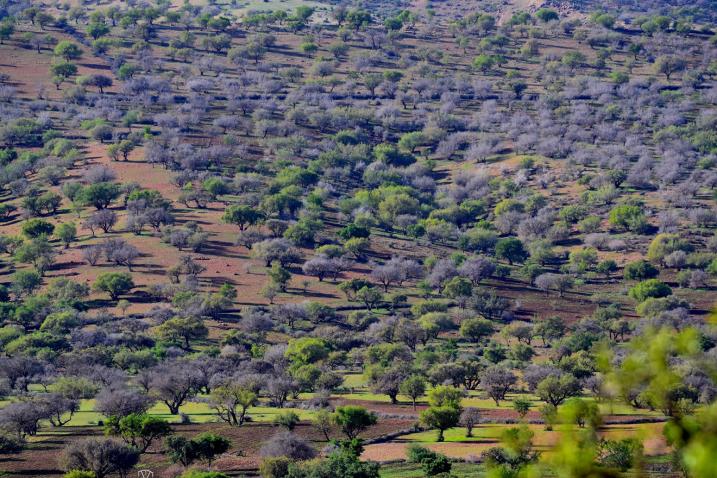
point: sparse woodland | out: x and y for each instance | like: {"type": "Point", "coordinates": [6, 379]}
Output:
{"type": "Point", "coordinates": [298, 239]}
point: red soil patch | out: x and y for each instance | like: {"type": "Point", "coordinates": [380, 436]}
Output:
{"type": "Point", "coordinates": [29, 71]}
{"type": "Point", "coordinates": [42, 456]}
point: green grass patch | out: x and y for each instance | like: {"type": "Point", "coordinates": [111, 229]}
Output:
{"type": "Point", "coordinates": [198, 412]}
{"type": "Point", "coordinates": [481, 434]}
{"type": "Point", "coordinates": [413, 470]}
{"type": "Point", "coordinates": [355, 380]}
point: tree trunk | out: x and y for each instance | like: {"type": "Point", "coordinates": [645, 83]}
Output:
{"type": "Point", "coordinates": [173, 409]}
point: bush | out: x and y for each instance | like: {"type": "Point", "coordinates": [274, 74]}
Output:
{"type": "Point", "coordinates": [620, 454]}
{"type": "Point", "coordinates": [432, 463]}
{"type": "Point", "coordinates": [651, 288]}
{"type": "Point", "coordinates": [287, 419]}
{"type": "Point", "coordinates": [114, 283]}
{"type": "Point", "coordinates": [79, 474]}
{"type": "Point", "coordinates": [436, 465]}
{"type": "Point", "coordinates": [640, 270]}
{"type": "Point", "coordinates": [104, 456]}
{"type": "Point", "coordinates": [37, 227]}
{"type": "Point", "coordinates": [208, 445]}
{"type": "Point", "coordinates": [203, 474]}
{"type": "Point", "coordinates": [276, 467]}
{"type": "Point", "coordinates": [627, 217]}
{"type": "Point", "coordinates": [417, 453]}
{"type": "Point", "coordinates": [9, 445]}
{"type": "Point", "coordinates": [339, 464]}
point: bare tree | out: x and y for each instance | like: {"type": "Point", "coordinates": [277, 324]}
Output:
{"type": "Point", "coordinates": [121, 401]}
{"type": "Point", "coordinates": [92, 254]}
{"type": "Point", "coordinates": [286, 443]}
{"type": "Point", "coordinates": [103, 456]}
{"type": "Point", "coordinates": [104, 219]}
{"type": "Point", "coordinates": [174, 383]}
{"type": "Point", "coordinates": [22, 418]}
{"type": "Point", "coordinates": [497, 381]}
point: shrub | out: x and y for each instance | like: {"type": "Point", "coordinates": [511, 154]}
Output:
{"type": "Point", "coordinates": [640, 270]}
{"type": "Point", "coordinates": [546, 15]}
{"type": "Point", "coordinates": [203, 474]}
{"type": "Point", "coordinates": [289, 420]}
{"type": "Point", "coordinates": [436, 465]}
{"type": "Point", "coordinates": [432, 463]}
{"type": "Point", "coordinates": [511, 249]}
{"type": "Point", "coordinates": [103, 456]}
{"type": "Point", "coordinates": [275, 467]}
{"type": "Point", "coordinates": [440, 418]}
{"type": "Point", "coordinates": [37, 227]}
{"type": "Point", "coordinates": [9, 445]}
{"type": "Point", "coordinates": [353, 420]}
{"type": "Point", "coordinates": [620, 454]}
{"type": "Point", "coordinates": [79, 474]}
{"type": "Point", "coordinates": [651, 288]}
{"type": "Point", "coordinates": [417, 453]}
{"type": "Point", "coordinates": [288, 445]}
{"type": "Point", "coordinates": [628, 217]}
{"type": "Point", "coordinates": [114, 283]}
{"type": "Point", "coordinates": [208, 445]}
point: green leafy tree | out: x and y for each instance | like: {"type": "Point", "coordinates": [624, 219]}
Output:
{"type": "Point", "coordinates": [522, 406]}
{"type": "Point", "coordinates": [484, 63]}
{"type": "Point", "coordinates": [412, 141]}
{"type": "Point", "coordinates": [353, 420]}
{"type": "Point", "coordinates": [24, 282]}
{"type": "Point", "coordinates": [606, 267]}
{"type": "Point", "coordinates": [63, 70]}
{"type": "Point", "coordinates": [139, 430]}
{"type": "Point", "coordinates": [181, 449]}
{"type": "Point", "coordinates": [640, 270]}
{"type": "Point", "coordinates": [440, 418]}
{"type": "Point", "coordinates": [620, 454]}
{"type": "Point", "coordinates": [66, 232]}
{"type": "Point", "coordinates": [458, 287]}
{"type": "Point", "coordinates": [7, 28]}
{"type": "Point", "coordinates": [370, 296]}
{"type": "Point", "coordinates": [546, 15]}
{"type": "Point", "coordinates": [97, 30]}
{"type": "Point", "coordinates": [36, 227]}
{"type": "Point", "coordinates": [279, 275]}
{"type": "Point", "coordinates": [38, 252]}
{"type": "Point", "coordinates": [413, 387]}
{"type": "Point", "coordinates": [511, 249]}
{"type": "Point", "coordinates": [444, 411]}
{"type": "Point", "coordinates": [208, 445]}
{"type": "Point", "coordinates": [476, 329]}
{"type": "Point", "coordinates": [99, 195]}
{"type": "Point", "coordinates": [114, 283]}
{"type": "Point", "coordinates": [664, 244]}
{"type": "Point", "coordinates": [183, 330]}
{"type": "Point", "coordinates": [554, 389]}
{"type": "Point", "coordinates": [203, 474]}
{"type": "Point", "coordinates": [242, 216]}
{"type": "Point", "coordinates": [68, 50]}
{"type": "Point", "coordinates": [358, 18]}
{"type": "Point", "coordinates": [651, 288]}
{"type": "Point", "coordinates": [628, 217]}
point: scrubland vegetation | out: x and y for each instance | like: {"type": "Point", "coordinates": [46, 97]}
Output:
{"type": "Point", "coordinates": [358, 239]}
